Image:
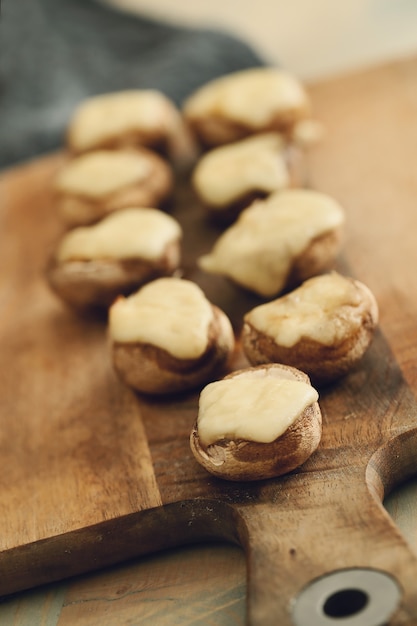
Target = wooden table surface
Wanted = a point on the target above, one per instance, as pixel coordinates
(368, 161)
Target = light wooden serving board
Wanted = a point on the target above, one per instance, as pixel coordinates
(92, 474)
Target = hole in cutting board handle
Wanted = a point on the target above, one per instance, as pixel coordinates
(352, 597)
(345, 603)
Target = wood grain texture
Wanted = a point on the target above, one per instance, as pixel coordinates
(199, 585)
(95, 475)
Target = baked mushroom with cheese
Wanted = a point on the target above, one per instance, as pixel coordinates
(279, 242)
(243, 103)
(167, 337)
(257, 423)
(229, 178)
(323, 328)
(94, 264)
(131, 118)
(90, 186)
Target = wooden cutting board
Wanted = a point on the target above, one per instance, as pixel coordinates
(92, 474)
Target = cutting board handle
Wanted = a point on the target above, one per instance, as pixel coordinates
(330, 550)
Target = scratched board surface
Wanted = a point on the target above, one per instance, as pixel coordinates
(93, 474)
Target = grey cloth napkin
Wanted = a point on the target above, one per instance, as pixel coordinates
(55, 53)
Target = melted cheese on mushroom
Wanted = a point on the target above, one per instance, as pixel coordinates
(227, 173)
(251, 408)
(259, 249)
(327, 309)
(100, 173)
(131, 233)
(170, 313)
(252, 97)
(108, 116)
